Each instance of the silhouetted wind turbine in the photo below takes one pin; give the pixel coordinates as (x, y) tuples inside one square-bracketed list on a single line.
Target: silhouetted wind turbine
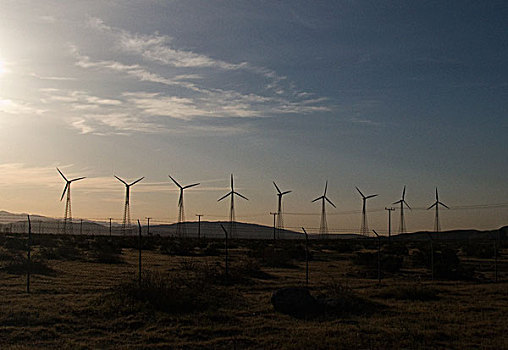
[(437, 203), (402, 201), (323, 227), (232, 193), (180, 228), (280, 194), (127, 210), (68, 210), (364, 230)]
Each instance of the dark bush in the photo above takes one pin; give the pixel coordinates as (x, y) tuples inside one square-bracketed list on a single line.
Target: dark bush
[(389, 263), (447, 264), (184, 293), (479, 250), (413, 292), (19, 266), (271, 256)]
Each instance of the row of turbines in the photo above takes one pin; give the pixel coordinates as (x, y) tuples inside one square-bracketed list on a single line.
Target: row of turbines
[(279, 224)]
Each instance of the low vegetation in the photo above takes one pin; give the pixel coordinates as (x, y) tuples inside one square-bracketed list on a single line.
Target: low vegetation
[(85, 293)]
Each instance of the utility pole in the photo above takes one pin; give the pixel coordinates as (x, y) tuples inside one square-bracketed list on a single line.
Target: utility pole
[(274, 227), (148, 226), (199, 225), (389, 221)]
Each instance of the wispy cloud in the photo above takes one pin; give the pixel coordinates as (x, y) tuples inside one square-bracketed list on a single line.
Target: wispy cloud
[(193, 97), (17, 107)]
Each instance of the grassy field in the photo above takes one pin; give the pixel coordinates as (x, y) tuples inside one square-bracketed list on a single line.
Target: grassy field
[(85, 294)]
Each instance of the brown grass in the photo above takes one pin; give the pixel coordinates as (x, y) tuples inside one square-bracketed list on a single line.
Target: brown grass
[(85, 304)]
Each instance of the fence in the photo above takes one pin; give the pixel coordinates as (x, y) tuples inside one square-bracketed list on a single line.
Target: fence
[(36, 251)]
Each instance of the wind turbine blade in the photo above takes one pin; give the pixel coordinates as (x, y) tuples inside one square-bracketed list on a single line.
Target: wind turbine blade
[(62, 174), (176, 183), (444, 205), (397, 202), (189, 186), (432, 206), (221, 198), (326, 187), (318, 198), (361, 194), (371, 196), (138, 180), (65, 190), (238, 194), (125, 183), (231, 182), (407, 205), (277, 187), (283, 193), (329, 201), (404, 192), (437, 196), (78, 178)]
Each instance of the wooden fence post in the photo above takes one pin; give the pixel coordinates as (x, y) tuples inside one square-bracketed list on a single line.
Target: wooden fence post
[(139, 246), (306, 257), (227, 258), (29, 247)]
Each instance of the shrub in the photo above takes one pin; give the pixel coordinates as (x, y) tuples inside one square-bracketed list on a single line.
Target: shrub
[(183, 293), (19, 266), (413, 292), (389, 263)]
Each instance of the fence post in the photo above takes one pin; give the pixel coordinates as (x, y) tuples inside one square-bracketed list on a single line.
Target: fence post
[(378, 257), (226, 243), (306, 257), (139, 245), (29, 247), (431, 255)]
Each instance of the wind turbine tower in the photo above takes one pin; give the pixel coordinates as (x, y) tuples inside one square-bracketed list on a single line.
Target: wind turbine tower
[(180, 227), (402, 202), (280, 194), (232, 193), (364, 229), (437, 203), (323, 226), (68, 210), (126, 223)]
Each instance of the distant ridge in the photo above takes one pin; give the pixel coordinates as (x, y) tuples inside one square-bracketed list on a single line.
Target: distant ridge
[(212, 229)]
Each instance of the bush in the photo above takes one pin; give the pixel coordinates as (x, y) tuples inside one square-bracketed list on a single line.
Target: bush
[(478, 250), (272, 256), (411, 292), (389, 263), (19, 266), (184, 293), (447, 264), (107, 251)]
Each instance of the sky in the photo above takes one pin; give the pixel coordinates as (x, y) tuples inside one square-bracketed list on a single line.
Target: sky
[(377, 95)]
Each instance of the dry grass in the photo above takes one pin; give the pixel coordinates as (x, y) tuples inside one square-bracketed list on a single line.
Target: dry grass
[(86, 304)]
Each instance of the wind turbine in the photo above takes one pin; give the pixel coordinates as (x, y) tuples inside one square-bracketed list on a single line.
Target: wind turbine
[(68, 211), (127, 210), (280, 194), (323, 227), (180, 228), (232, 193), (402, 201), (437, 203), (364, 230)]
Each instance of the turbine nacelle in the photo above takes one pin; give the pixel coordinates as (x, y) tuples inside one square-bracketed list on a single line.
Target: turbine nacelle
[(232, 192), (68, 182)]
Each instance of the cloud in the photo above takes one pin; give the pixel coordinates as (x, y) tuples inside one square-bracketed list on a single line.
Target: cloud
[(236, 90), (15, 107)]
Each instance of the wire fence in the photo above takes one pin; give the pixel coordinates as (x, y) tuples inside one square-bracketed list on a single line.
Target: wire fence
[(32, 247)]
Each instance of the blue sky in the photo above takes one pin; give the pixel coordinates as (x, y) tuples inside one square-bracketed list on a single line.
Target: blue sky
[(360, 93)]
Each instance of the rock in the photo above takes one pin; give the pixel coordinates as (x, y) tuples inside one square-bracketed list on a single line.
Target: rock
[(295, 301)]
